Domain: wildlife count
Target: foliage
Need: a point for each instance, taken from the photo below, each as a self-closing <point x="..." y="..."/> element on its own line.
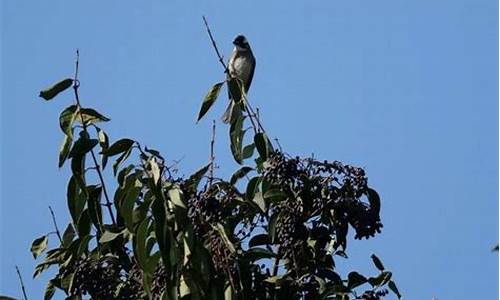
<point x="272" y="231"/>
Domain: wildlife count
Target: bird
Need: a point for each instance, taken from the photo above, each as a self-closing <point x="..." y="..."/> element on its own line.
<point x="241" y="65"/>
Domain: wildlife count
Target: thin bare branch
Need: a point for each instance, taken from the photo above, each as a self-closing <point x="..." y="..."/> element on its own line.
<point x="55" y="224"/>
<point x="22" y="283"/>
<point x="221" y="57"/>
<point x="76" y="85"/>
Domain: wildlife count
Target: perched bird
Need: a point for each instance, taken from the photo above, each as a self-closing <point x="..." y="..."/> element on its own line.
<point x="242" y="66"/>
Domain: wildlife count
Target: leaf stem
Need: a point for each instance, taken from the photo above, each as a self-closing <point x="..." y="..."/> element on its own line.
<point x="212" y="156"/>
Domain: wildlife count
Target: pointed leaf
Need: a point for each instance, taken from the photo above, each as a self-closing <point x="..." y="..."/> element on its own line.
<point x="263" y="145"/>
<point x="195" y="179"/>
<point x="49" y="290"/>
<point x="242" y="172"/>
<point x="68" y="235"/>
<point x="52" y="91"/>
<point x="118" y="147"/>
<point x="258" y="240"/>
<point x="237" y="134"/>
<point x="109" y="236"/>
<point x="354" y="279"/>
<point x="394" y="288"/>
<point x="377" y="262"/>
<point x="104" y="143"/>
<point x="120" y="160"/>
<point x="90" y="116"/>
<point x="39" y="245"/>
<point x="209" y="99"/>
<point x="64" y="150"/>
<point x="82" y="146"/>
<point x="175" y="196"/>
<point x="257" y="253"/>
<point x="66" y="119"/>
<point x="248" y="150"/>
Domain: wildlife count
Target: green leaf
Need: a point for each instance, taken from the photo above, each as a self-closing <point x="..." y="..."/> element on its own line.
<point x="82" y="146"/>
<point x="394" y="288"/>
<point x="254" y="254"/>
<point x="274" y="195"/>
<point x="64" y="150"/>
<point x="68" y="235"/>
<point x="57" y="88"/>
<point x="263" y="145"/>
<point x="236" y="134"/>
<point x="109" y="236"/>
<point x="195" y="179"/>
<point x="94" y="205"/>
<point x="66" y="119"/>
<point x="118" y="147"/>
<point x="354" y="279"/>
<point x="140" y="252"/>
<point x="155" y="170"/>
<point x="77" y="168"/>
<point x="175" y="196"/>
<point x="104" y="143"/>
<point x="222" y="232"/>
<point x="39" y="245"/>
<point x="235" y="88"/>
<point x="259" y="200"/>
<point x="90" y="116"/>
<point x="209" y="99"/>
<point x="127" y="206"/>
<point x="49" y="290"/>
<point x="120" y="160"/>
<point x="83" y="225"/>
<point x="258" y="240"/>
<point x="76" y="201"/>
<point x="242" y="172"/>
<point x="248" y="150"/>
<point x="377" y="262"/>
<point x="252" y="187"/>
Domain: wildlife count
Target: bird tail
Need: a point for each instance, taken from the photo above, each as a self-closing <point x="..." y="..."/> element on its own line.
<point x="226" y="117"/>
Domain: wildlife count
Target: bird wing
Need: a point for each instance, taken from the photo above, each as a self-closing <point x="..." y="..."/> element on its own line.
<point x="250" y="77"/>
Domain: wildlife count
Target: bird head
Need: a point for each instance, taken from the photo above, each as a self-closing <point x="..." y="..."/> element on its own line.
<point x="240" y="41"/>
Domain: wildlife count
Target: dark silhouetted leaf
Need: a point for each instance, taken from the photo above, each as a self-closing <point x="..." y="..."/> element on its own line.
<point x="82" y="146"/>
<point x="258" y="240"/>
<point x="120" y="160"/>
<point x="263" y="145"/>
<point x="242" y="172"/>
<point x="381" y="279"/>
<point x="354" y="279"/>
<point x="141" y="254"/>
<point x="68" y="235"/>
<point x="209" y="99"/>
<point x="54" y="90"/>
<point x="274" y="195"/>
<point x="195" y="179"/>
<point x="118" y="147"/>
<point x="39" y="245"/>
<point x="248" y="150"/>
<point x="94" y="205"/>
<point x="234" y="86"/>
<point x="374" y="200"/>
<point x="394" y="289"/>
<point x="257" y="253"/>
<point x="377" y="262"/>
<point x="83" y="226"/>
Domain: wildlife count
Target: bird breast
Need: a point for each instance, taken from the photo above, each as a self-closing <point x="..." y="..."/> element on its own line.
<point x="241" y="67"/>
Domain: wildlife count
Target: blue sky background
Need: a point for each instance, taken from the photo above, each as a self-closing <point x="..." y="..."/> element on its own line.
<point x="406" y="89"/>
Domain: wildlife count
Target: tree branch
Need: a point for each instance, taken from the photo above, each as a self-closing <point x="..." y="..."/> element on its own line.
<point x="76" y="85"/>
<point x="221" y="58"/>
<point x="212" y="155"/>
<point x="55" y="225"/>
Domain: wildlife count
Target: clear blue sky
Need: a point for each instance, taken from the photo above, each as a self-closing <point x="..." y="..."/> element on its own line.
<point x="406" y="89"/>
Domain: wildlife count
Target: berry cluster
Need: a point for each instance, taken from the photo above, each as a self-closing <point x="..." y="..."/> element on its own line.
<point x="374" y="295"/>
<point x="224" y="260"/>
<point x="97" y="278"/>
<point x="210" y="206"/>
